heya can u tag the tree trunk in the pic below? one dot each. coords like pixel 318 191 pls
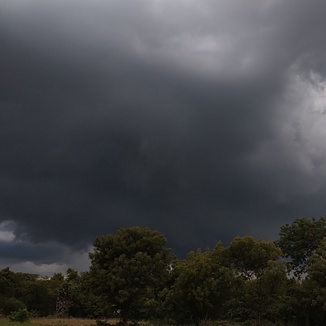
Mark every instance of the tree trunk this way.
pixel 206 318
pixel 307 320
pixel 257 319
pixel 124 321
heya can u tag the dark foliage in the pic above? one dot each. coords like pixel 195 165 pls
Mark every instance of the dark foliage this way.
pixel 133 276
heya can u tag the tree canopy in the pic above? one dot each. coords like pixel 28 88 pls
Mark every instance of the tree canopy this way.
pixel 299 240
pixel 134 276
pixel 129 268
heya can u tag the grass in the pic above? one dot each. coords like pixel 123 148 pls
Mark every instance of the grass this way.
pixel 50 322
pixel 81 322
pixel 62 322
pixel 6 322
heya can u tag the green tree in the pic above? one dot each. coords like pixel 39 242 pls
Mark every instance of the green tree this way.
pixel 10 288
pixel 262 294
pixel 291 308
pixel 86 303
pixel 261 278
pixel 250 257
pixel 34 292
pixel 314 287
pixel 129 269
pixel 299 240
pixel 317 274
pixel 202 286
pixel 8 284
pixel 74 297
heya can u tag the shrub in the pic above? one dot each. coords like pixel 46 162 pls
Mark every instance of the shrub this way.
pixel 8 305
pixel 20 315
pixel 102 323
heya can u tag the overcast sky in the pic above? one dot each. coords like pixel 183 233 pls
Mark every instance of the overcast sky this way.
pixel 203 119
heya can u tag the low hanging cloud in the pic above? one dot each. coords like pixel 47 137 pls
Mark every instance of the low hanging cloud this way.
pixel 40 258
pixel 202 119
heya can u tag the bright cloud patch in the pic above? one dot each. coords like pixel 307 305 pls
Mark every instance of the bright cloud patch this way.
pixel 6 231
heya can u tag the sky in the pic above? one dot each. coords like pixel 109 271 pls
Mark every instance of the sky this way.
pixel 203 119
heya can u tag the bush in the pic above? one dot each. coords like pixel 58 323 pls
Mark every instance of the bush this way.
pixel 102 323
pixel 20 315
pixel 8 305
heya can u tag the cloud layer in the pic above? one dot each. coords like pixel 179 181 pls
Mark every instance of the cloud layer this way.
pixel 203 119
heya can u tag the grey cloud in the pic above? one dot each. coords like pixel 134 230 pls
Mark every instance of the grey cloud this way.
pixel 198 118
pixel 23 251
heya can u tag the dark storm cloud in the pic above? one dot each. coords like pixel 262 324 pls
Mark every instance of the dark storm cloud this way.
pixel 203 119
pixel 19 251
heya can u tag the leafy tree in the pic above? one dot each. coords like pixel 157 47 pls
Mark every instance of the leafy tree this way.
pixel 250 257
pixel 36 295
pixel 290 306
pixel 10 287
pixel 299 240
pixel 8 284
pixel 255 263
pixel 71 275
pixel 317 273
pixel 9 305
pixel 71 292
pixel 263 293
pixel 129 269
pixel 314 287
pixel 75 298
pixel 201 288
pixel 86 302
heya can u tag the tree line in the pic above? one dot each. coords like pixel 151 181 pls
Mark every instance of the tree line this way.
pixel 134 276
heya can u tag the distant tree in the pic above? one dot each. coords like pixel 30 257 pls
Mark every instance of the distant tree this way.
pixel 10 287
pixel 9 305
pixel 8 284
pixel 36 295
pixel 299 240
pixel 129 270
pixel 74 297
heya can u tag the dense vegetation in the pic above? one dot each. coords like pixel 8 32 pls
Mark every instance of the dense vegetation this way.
pixel 133 276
